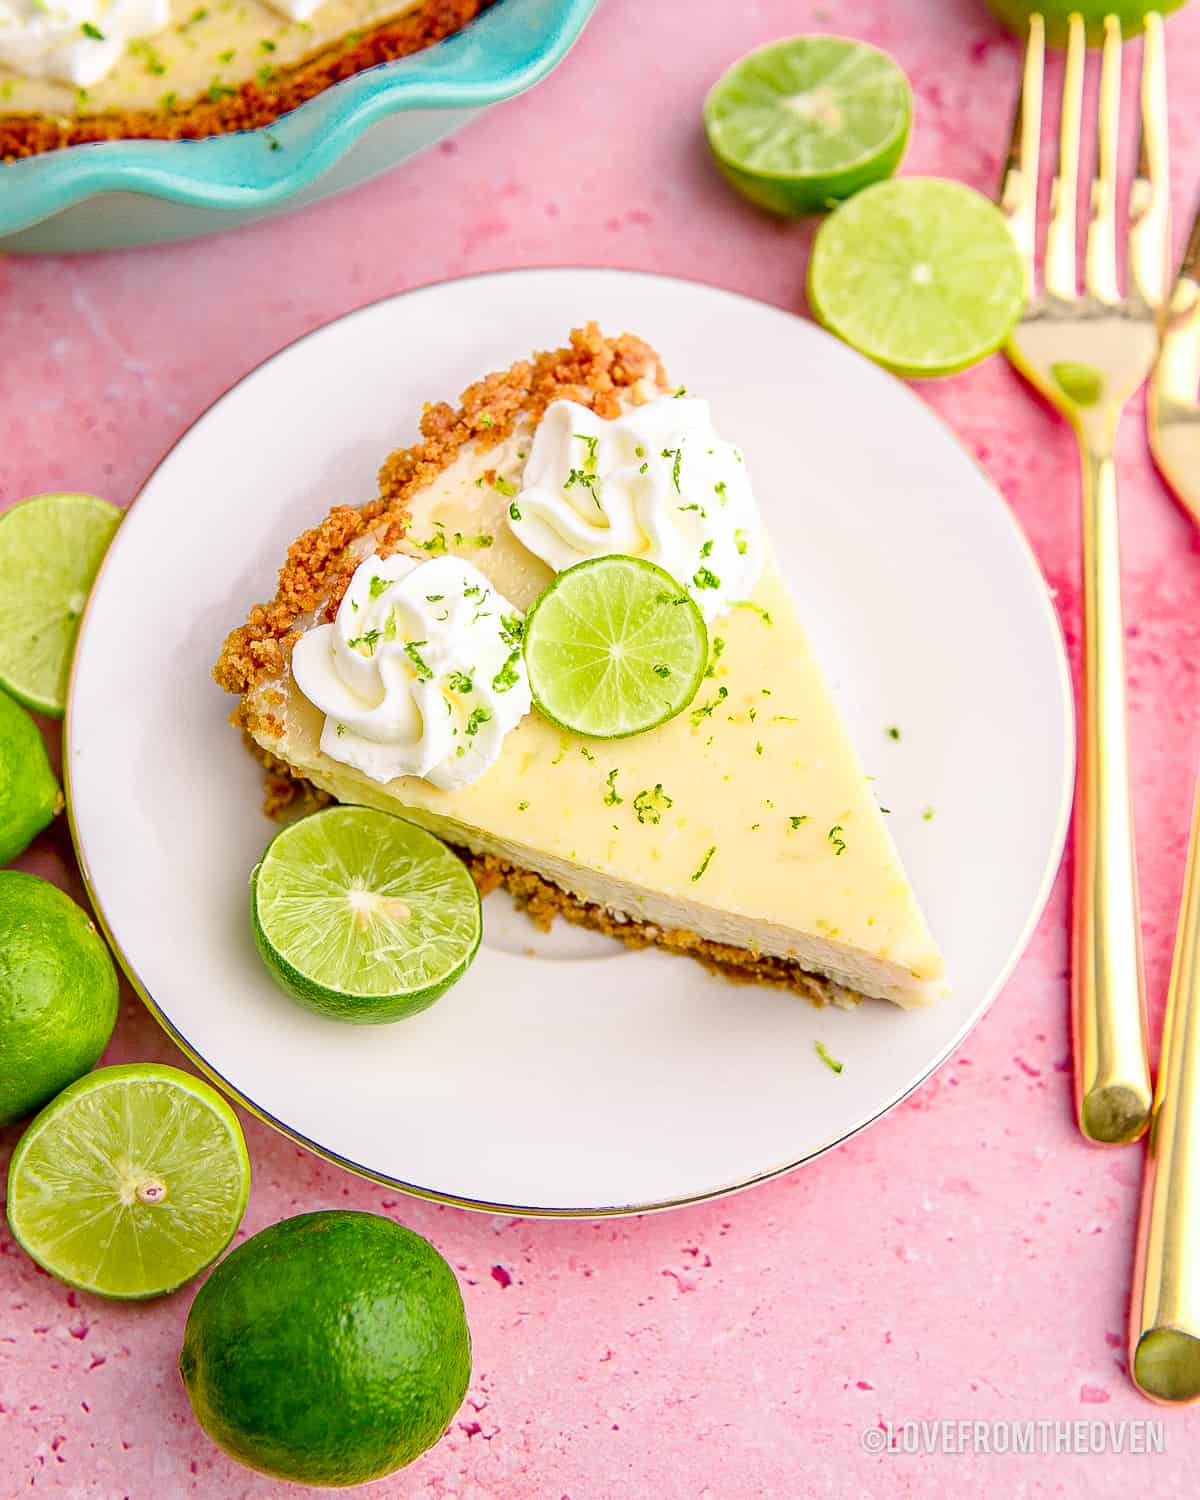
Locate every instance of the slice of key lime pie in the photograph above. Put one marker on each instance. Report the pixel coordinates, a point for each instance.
(389, 671)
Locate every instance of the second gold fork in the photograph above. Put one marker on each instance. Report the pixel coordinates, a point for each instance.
(1088, 354)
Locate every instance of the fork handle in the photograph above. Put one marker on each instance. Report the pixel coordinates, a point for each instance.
(1108, 1008)
(1165, 1309)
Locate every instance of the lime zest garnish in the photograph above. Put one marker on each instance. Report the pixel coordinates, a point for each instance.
(646, 804)
(705, 710)
(831, 1063)
(763, 614)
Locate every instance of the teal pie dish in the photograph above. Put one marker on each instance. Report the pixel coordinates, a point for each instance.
(112, 194)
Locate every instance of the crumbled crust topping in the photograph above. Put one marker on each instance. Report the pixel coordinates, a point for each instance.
(592, 370)
(254, 103)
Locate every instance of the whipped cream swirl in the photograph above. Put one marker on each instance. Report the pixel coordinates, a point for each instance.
(421, 673)
(296, 10)
(657, 482)
(74, 41)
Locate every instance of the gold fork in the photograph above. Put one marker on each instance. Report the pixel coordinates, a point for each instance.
(1164, 1331)
(1087, 355)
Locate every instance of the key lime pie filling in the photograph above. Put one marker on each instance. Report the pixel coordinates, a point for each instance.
(78, 71)
(388, 671)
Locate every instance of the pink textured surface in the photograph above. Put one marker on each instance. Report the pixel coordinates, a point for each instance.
(969, 1256)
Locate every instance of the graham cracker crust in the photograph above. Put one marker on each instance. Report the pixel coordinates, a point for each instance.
(542, 902)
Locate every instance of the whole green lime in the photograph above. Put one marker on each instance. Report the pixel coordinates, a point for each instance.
(58, 993)
(329, 1349)
(30, 796)
(1131, 13)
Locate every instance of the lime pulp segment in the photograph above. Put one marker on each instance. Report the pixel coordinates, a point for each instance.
(805, 122)
(364, 916)
(50, 549)
(920, 274)
(130, 1182)
(614, 647)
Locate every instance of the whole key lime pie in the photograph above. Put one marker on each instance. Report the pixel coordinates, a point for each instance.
(503, 648)
(77, 71)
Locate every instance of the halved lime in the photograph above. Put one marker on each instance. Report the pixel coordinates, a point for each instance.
(921, 275)
(363, 916)
(614, 647)
(802, 123)
(50, 550)
(30, 796)
(130, 1182)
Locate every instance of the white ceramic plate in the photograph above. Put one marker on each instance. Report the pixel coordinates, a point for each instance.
(585, 1079)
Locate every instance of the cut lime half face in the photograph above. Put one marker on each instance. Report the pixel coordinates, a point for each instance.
(801, 124)
(130, 1182)
(50, 550)
(363, 916)
(614, 647)
(921, 275)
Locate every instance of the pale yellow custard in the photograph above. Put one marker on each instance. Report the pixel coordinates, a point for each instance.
(210, 48)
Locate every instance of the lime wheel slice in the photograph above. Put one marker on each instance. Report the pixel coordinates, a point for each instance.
(614, 647)
(921, 275)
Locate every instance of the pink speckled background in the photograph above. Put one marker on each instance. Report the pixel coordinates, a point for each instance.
(968, 1257)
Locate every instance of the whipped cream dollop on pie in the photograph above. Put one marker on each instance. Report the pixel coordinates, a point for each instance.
(420, 673)
(75, 41)
(657, 482)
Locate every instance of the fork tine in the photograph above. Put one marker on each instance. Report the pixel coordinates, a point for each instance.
(1060, 240)
(1101, 264)
(1150, 195)
(1190, 264)
(1177, 374)
(1018, 192)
